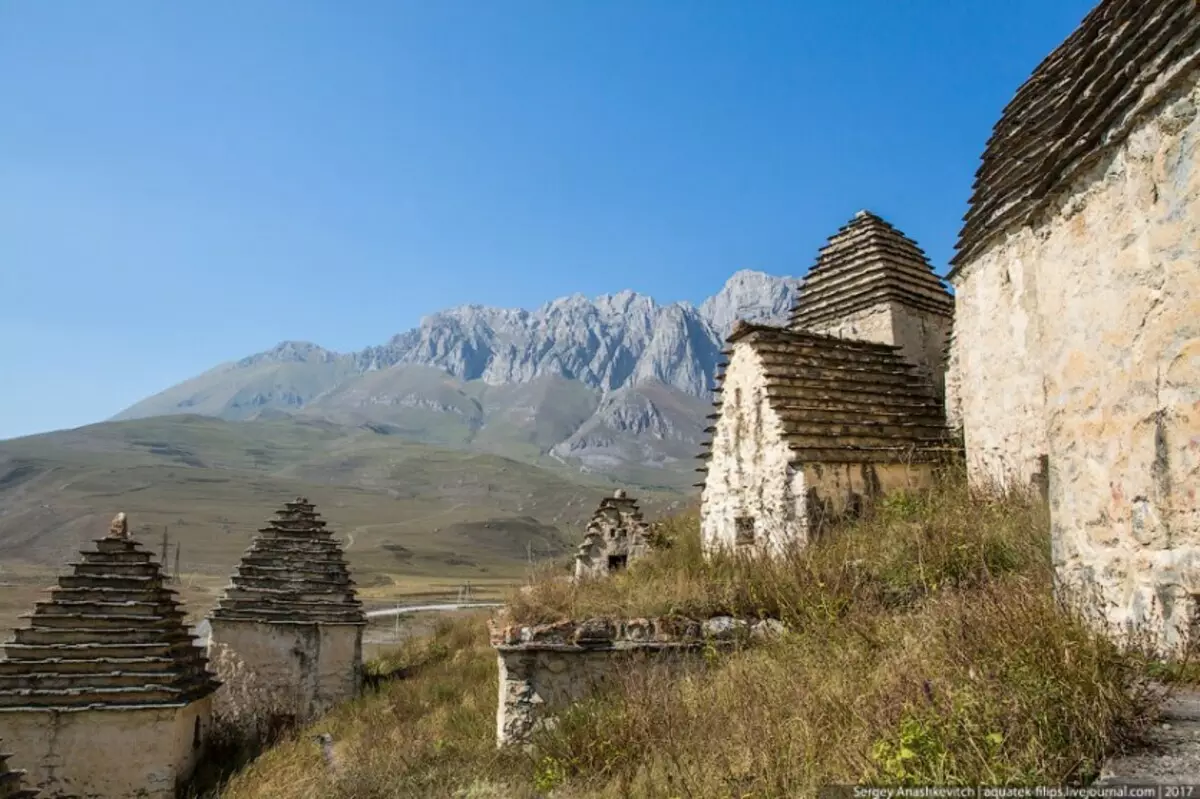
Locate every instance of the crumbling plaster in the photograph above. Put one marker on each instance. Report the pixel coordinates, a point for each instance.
(750, 471)
(141, 753)
(296, 669)
(1078, 338)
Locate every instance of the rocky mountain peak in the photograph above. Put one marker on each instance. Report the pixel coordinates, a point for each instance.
(754, 296)
(633, 377)
(292, 352)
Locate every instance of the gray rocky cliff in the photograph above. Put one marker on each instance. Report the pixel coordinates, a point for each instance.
(612, 347)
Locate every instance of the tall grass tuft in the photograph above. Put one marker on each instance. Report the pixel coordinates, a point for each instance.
(924, 646)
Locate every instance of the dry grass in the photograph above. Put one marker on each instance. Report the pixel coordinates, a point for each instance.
(925, 647)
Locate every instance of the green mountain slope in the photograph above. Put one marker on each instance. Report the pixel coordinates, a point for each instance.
(403, 507)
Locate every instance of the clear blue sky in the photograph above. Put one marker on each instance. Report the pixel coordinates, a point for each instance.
(183, 184)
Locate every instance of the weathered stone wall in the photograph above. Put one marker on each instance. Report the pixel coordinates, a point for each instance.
(546, 668)
(1079, 338)
(298, 670)
(998, 368)
(953, 390)
(114, 754)
(869, 324)
(841, 489)
(921, 336)
(749, 472)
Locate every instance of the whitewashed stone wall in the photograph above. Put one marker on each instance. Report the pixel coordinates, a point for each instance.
(116, 754)
(998, 368)
(869, 324)
(749, 472)
(920, 336)
(1079, 338)
(299, 670)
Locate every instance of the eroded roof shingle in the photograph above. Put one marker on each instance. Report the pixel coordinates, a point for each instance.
(10, 779)
(293, 573)
(110, 636)
(868, 261)
(1125, 55)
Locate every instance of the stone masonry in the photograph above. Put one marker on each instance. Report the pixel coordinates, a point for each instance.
(1076, 355)
(615, 537)
(546, 668)
(286, 636)
(104, 693)
(10, 780)
(810, 426)
(873, 283)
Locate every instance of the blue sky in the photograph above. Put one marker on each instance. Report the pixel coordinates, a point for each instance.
(183, 184)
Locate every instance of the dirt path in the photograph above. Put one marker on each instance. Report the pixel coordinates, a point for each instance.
(1173, 751)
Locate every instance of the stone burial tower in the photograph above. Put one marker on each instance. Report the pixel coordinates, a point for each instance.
(615, 537)
(287, 634)
(104, 693)
(817, 419)
(10, 780)
(1076, 360)
(873, 283)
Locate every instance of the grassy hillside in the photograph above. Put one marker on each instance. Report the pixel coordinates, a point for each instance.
(410, 513)
(239, 390)
(924, 647)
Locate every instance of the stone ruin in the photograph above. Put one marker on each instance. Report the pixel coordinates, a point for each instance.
(10, 780)
(286, 636)
(1075, 364)
(615, 537)
(104, 692)
(545, 668)
(816, 419)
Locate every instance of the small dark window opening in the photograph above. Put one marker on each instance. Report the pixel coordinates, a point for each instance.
(743, 527)
(616, 562)
(196, 733)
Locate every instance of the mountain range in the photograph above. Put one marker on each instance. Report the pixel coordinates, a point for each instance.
(619, 384)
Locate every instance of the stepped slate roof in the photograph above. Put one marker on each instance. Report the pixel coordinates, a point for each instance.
(844, 401)
(293, 573)
(1086, 95)
(10, 780)
(619, 512)
(866, 262)
(111, 636)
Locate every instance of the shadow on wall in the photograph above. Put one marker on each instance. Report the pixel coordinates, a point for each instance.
(230, 748)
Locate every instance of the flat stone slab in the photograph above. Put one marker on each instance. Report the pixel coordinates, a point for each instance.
(1172, 751)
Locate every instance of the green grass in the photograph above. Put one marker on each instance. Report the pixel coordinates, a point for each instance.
(924, 646)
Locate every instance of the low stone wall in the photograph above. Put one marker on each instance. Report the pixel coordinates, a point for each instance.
(115, 753)
(545, 668)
